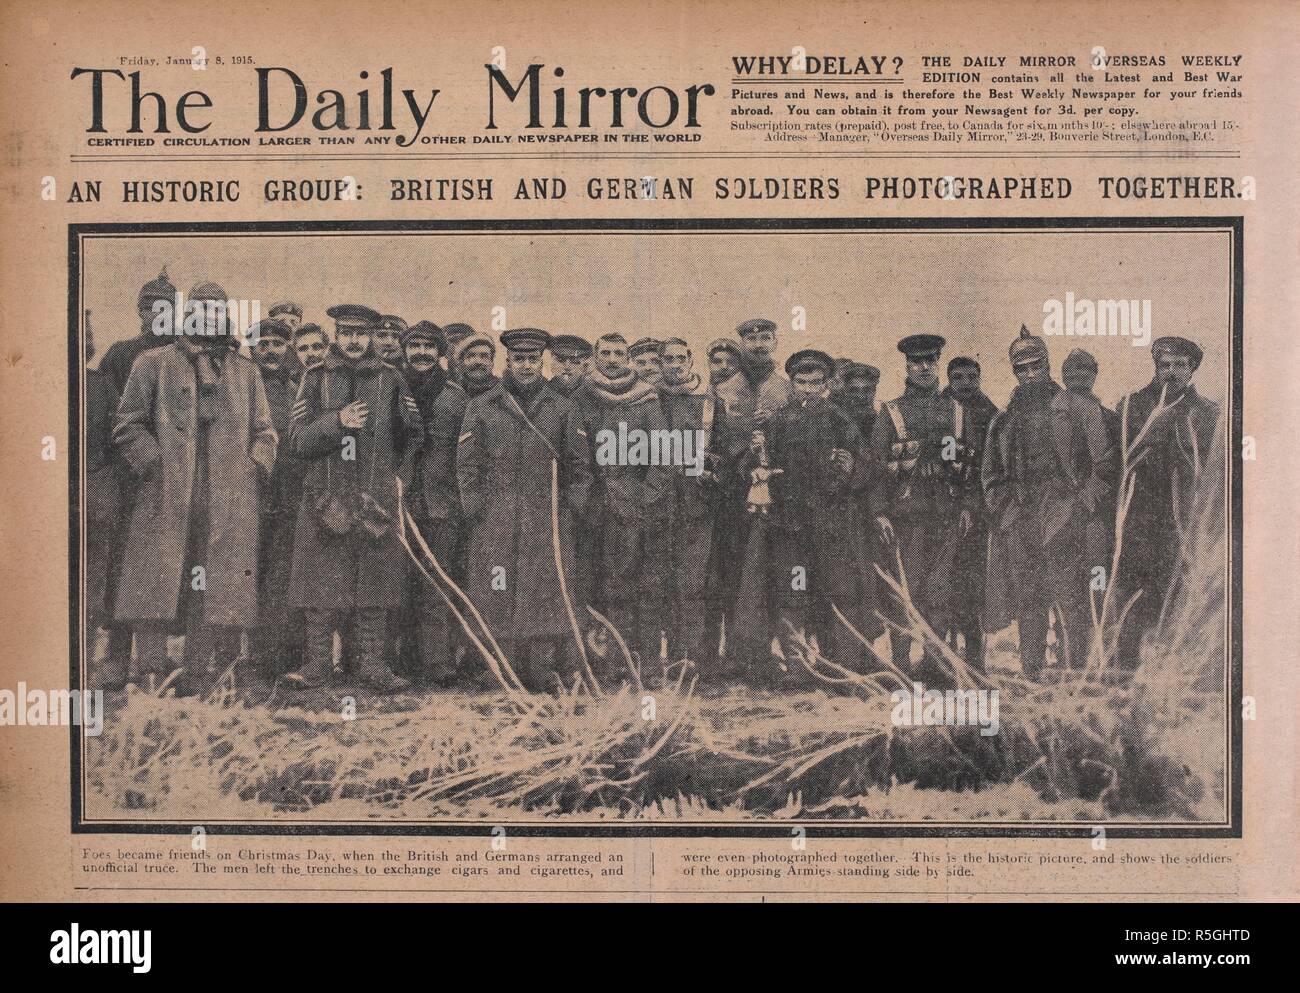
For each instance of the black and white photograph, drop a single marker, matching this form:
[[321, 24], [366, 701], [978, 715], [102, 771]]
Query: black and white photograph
[[905, 528]]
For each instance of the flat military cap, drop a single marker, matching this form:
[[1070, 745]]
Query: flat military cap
[[1027, 348], [860, 370], [526, 340], [921, 346], [1175, 345], [570, 345], [353, 315], [423, 331], [269, 328], [285, 307], [809, 360], [464, 343], [456, 332], [160, 288], [724, 345], [391, 322], [643, 345], [756, 325]]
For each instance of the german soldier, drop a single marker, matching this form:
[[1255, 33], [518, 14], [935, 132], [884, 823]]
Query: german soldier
[[359, 427], [435, 503], [631, 500], [922, 501], [745, 402], [1167, 428], [511, 436], [310, 345], [972, 552], [195, 431], [1048, 470], [103, 502], [277, 642], [813, 456], [688, 407], [388, 339]]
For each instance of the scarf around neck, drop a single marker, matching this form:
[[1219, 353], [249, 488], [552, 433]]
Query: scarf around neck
[[626, 388], [689, 387], [756, 370]]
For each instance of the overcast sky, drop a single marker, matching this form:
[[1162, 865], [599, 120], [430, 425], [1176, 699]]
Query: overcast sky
[[861, 291]]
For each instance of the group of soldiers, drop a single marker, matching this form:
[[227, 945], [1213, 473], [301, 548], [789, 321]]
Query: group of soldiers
[[374, 502]]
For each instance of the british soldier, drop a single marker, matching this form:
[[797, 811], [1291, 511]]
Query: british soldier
[[812, 452], [921, 501], [510, 437], [287, 313], [570, 362], [745, 402], [388, 339], [972, 553], [194, 428], [1048, 471], [434, 504], [358, 427], [689, 408], [631, 500], [276, 645], [1168, 429], [646, 363]]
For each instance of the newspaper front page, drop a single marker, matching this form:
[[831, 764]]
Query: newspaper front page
[[661, 451]]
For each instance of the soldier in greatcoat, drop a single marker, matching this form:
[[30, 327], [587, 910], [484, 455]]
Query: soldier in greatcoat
[[964, 376], [276, 644], [1048, 471], [630, 505], [1168, 429], [195, 430], [434, 503], [509, 439], [358, 427]]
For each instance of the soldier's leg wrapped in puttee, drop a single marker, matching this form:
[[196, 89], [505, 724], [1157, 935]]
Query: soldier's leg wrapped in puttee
[[318, 637]]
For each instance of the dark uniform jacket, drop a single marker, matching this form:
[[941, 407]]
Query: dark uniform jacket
[[361, 568]]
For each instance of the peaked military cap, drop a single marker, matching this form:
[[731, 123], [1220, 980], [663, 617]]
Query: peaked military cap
[[1175, 345], [526, 340], [391, 322], [808, 360], [756, 325], [353, 315], [643, 345], [424, 331], [285, 307], [860, 370], [570, 345], [269, 328], [920, 346]]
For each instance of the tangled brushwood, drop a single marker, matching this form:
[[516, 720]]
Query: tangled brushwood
[[1087, 747]]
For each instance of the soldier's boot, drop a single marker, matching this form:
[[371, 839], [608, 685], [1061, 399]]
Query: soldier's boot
[[108, 673], [318, 640], [370, 627], [1031, 628], [118, 656], [151, 663], [436, 666]]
